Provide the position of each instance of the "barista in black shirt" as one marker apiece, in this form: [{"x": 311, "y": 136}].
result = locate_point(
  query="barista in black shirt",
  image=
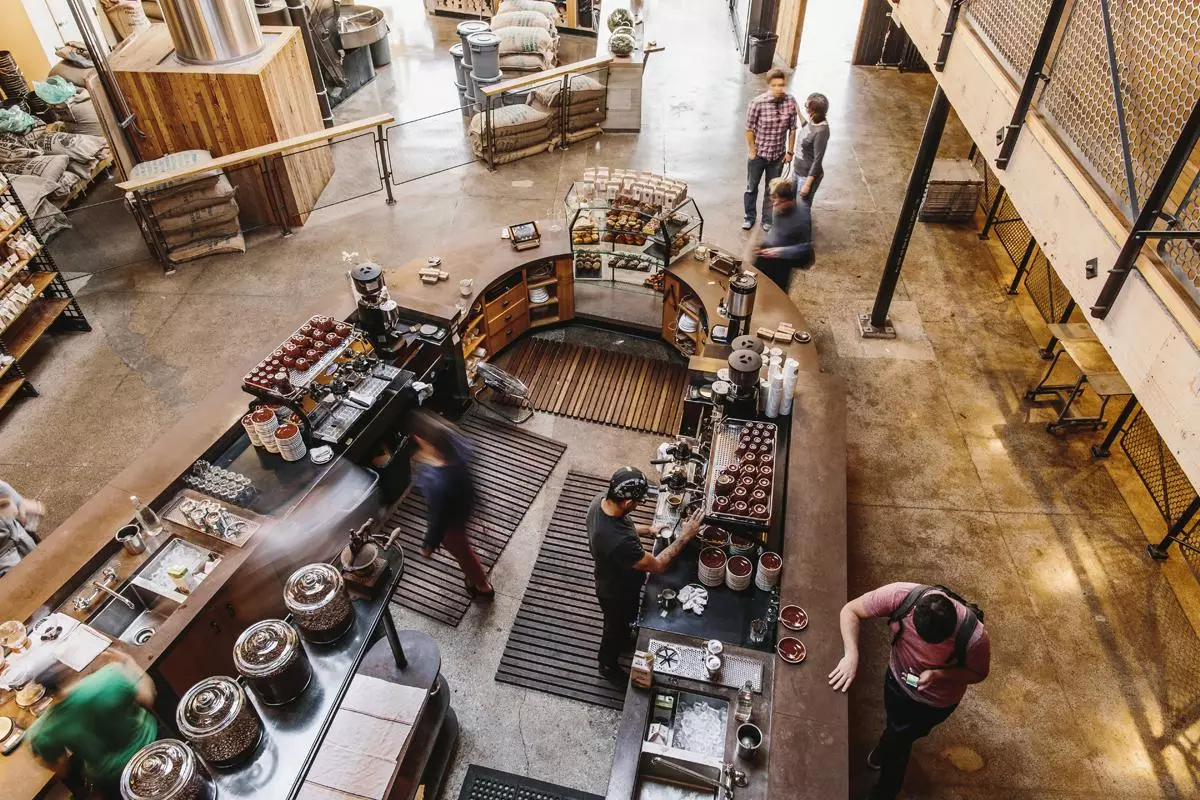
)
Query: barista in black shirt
[{"x": 622, "y": 563}]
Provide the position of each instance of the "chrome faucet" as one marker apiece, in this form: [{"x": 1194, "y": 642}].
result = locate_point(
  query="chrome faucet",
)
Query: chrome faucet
[{"x": 109, "y": 575}]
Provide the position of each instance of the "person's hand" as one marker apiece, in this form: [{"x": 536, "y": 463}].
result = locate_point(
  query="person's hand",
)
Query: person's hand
[
  {"x": 427, "y": 552},
  {"x": 35, "y": 507},
  {"x": 787, "y": 158},
  {"x": 926, "y": 679},
  {"x": 843, "y": 674},
  {"x": 750, "y": 154},
  {"x": 769, "y": 252},
  {"x": 691, "y": 525}
]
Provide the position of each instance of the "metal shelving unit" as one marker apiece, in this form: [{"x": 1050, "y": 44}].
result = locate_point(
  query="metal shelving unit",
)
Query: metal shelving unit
[{"x": 53, "y": 304}]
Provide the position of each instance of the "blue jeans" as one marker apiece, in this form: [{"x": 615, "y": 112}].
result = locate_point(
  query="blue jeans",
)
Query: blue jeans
[{"x": 756, "y": 170}]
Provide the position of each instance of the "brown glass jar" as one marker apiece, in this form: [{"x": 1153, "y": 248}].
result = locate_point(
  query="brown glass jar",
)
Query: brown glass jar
[{"x": 269, "y": 656}]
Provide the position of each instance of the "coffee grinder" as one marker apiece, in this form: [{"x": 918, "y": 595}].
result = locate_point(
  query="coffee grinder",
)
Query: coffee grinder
[
  {"x": 377, "y": 311},
  {"x": 744, "y": 366},
  {"x": 738, "y": 304}
]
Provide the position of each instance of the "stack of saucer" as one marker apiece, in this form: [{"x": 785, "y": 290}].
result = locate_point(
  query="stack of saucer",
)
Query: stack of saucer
[
  {"x": 712, "y": 566},
  {"x": 265, "y": 425},
  {"x": 738, "y": 573},
  {"x": 687, "y": 324},
  {"x": 769, "y": 567},
  {"x": 290, "y": 442},
  {"x": 539, "y": 295},
  {"x": 251, "y": 430}
]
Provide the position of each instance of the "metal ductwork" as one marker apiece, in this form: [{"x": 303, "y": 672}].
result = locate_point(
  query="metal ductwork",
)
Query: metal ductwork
[{"x": 212, "y": 31}]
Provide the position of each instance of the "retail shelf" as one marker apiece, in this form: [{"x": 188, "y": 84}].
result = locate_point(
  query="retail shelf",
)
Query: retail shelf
[
  {"x": 9, "y": 388},
  {"x": 39, "y": 281},
  {"x": 20, "y": 265},
  {"x": 11, "y": 228},
  {"x": 469, "y": 345},
  {"x": 33, "y": 322}
]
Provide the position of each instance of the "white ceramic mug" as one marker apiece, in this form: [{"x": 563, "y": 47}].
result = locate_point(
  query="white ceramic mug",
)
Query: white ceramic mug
[{"x": 464, "y": 286}]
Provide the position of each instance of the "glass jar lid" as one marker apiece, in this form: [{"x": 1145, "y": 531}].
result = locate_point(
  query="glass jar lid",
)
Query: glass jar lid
[
  {"x": 312, "y": 587},
  {"x": 209, "y": 707},
  {"x": 158, "y": 771},
  {"x": 264, "y": 647}
]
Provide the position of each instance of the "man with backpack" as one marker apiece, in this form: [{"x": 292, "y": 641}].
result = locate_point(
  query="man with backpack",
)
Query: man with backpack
[{"x": 939, "y": 647}]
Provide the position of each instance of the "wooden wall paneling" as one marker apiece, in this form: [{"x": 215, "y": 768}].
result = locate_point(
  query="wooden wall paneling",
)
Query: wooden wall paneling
[{"x": 789, "y": 26}]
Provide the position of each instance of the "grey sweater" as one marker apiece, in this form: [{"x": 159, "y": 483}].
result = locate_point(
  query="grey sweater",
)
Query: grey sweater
[{"x": 813, "y": 140}]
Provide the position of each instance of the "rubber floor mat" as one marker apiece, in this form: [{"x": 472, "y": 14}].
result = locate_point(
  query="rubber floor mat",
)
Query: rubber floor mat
[{"x": 482, "y": 783}]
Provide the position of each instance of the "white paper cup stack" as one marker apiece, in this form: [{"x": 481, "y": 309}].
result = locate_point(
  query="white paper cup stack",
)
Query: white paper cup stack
[
  {"x": 737, "y": 564},
  {"x": 290, "y": 442},
  {"x": 265, "y": 424},
  {"x": 714, "y": 575},
  {"x": 767, "y": 577},
  {"x": 251, "y": 431}
]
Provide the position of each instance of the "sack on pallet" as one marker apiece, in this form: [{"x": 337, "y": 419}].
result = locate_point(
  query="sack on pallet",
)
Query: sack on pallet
[
  {"x": 201, "y": 217},
  {"x": 171, "y": 162},
  {"x": 524, "y": 62},
  {"x": 209, "y": 192},
  {"x": 586, "y": 133},
  {"x": 532, "y": 150},
  {"x": 509, "y": 120},
  {"x": 49, "y": 167},
  {"x": 584, "y": 89},
  {"x": 546, "y": 9},
  {"x": 525, "y": 41},
  {"x": 207, "y": 247},
  {"x": 76, "y": 146},
  {"x": 219, "y": 230},
  {"x": 507, "y": 144},
  {"x": 522, "y": 19},
  {"x": 592, "y": 116}
]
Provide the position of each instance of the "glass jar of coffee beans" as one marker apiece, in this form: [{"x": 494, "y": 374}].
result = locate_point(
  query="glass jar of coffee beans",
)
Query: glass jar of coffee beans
[
  {"x": 166, "y": 770},
  {"x": 218, "y": 722},
  {"x": 317, "y": 598},
  {"x": 269, "y": 656}
]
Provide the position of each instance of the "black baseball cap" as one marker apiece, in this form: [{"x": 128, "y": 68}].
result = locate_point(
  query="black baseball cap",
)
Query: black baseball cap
[{"x": 628, "y": 483}]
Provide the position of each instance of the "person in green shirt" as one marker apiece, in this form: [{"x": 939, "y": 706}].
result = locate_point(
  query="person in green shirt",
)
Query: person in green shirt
[{"x": 103, "y": 720}]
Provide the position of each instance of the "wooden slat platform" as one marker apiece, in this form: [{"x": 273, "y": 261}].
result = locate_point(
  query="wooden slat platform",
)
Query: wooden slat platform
[
  {"x": 555, "y": 640},
  {"x": 511, "y": 466},
  {"x": 605, "y": 386}
]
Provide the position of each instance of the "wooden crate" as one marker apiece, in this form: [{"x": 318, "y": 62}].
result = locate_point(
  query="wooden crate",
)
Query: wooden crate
[{"x": 227, "y": 108}]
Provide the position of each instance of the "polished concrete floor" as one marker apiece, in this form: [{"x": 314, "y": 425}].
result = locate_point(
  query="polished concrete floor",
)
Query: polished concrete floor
[{"x": 1095, "y": 685}]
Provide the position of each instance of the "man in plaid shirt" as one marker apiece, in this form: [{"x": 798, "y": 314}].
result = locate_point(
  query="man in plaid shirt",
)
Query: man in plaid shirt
[{"x": 770, "y": 142}]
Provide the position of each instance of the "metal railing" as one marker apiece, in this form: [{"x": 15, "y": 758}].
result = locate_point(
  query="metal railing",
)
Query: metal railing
[
  {"x": 1117, "y": 82},
  {"x": 1167, "y": 484}
]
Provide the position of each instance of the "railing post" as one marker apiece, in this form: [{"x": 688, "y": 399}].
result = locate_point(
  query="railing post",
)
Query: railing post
[
  {"x": 948, "y": 35},
  {"x": 1159, "y": 551},
  {"x": 564, "y": 111},
  {"x": 1023, "y": 267},
  {"x": 1047, "y": 352},
  {"x": 1006, "y": 137},
  {"x": 991, "y": 215},
  {"x": 1102, "y": 450},
  {"x": 1149, "y": 213},
  {"x": 385, "y": 164}
]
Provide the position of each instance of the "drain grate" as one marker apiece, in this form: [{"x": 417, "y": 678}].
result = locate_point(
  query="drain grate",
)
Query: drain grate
[
  {"x": 482, "y": 783},
  {"x": 685, "y": 661}
]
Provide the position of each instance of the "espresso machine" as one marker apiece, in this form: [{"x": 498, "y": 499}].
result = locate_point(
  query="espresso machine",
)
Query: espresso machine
[{"x": 377, "y": 311}]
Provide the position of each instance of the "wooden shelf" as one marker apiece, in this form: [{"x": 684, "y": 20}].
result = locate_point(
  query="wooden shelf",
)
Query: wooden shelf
[
  {"x": 21, "y": 265},
  {"x": 39, "y": 281},
  {"x": 550, "y": 302},
  {"x": 9, "y": 230},
  {"x": 545, "y": 282},
  {"x": 33, "y": 322},
  {"x": 544, "y": 321},
  {"x": 470, "y": 345},
  {"x": 9, "y": 388}
]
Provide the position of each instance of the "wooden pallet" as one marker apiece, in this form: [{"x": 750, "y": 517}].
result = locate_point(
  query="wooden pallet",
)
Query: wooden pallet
[
  {"x": 511, "y": 466},
  {"x": 555, "y": 640},
  {"x": 605, "y": 386}
]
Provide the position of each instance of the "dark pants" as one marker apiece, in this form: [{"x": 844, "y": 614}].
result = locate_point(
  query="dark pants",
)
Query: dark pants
[
  {"x": 907, "y": 721},
  {"x": 779, "y": 270},
  {"x": 619, "y": 615},
  {"x": 756, "y": 170},
  {"x": 458, "y": 545}
]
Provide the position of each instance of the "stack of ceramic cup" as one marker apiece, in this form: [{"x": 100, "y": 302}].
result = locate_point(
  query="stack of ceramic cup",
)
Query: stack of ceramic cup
[
  {"x": 289, "y": 442},
  {"x": 769, "y": 567},
  {"x": 251, "y": 430},
  {"x": 712, "y": 574},
  {"x": 265, "y": 425},
  {"x": 738, "y": 573}
]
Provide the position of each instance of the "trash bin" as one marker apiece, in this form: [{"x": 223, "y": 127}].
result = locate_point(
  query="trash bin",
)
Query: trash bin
[
  {"x": 762, "y": 52},
  {"x": 381, "y": 52}
]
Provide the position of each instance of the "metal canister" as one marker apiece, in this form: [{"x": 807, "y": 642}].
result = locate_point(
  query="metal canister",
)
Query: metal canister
[
  {"x": 317, "y": 598},
  {"x": 269, "y": 656},
  {"x": 218, "y": 722},
  {"x": 212, "y": 31},
  {"x": 166, "y": 770},
  {"x": 739, "y": 299}
]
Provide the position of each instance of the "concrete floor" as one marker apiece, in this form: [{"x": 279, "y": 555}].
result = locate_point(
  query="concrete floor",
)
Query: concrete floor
[{"x": 1094, "y": 688}]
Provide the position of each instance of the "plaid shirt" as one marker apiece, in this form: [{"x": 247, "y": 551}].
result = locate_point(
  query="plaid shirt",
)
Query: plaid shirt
[{"x": 771, "y": 122}]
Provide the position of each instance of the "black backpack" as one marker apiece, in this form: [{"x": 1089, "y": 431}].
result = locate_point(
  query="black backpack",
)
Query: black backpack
[{"x": 962, "y": 637}]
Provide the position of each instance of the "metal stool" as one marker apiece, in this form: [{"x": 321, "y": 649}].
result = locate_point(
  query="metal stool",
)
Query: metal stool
[{"x": 1096, "y": 370}]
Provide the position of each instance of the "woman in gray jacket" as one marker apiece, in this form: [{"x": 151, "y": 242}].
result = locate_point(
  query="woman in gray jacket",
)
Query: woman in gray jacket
[{"x": 809, "y": 163}]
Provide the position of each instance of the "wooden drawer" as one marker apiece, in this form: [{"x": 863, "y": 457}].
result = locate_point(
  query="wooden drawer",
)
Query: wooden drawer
[
  {"x": 506, "y": 301},
  {"x": 503, "y": 337},
  {"x": 507, "y": 317}
]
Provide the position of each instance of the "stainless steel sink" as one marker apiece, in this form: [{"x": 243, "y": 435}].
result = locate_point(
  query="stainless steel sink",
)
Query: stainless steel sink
[{"x": 137, "y": 625}]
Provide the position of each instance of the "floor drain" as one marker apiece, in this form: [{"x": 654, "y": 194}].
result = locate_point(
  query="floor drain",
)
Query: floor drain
[{"x": 143, "y": 635}]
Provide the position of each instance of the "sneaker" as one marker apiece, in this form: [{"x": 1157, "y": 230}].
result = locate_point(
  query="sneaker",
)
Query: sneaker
[
  {"x": 873, "y": 761},
  {"x": 747, "y": 224},
  {"x": 766, "y": 227}
]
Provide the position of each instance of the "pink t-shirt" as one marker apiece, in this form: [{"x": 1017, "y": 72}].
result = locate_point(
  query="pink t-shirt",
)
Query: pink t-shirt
[{"x": 913, "y": 654}]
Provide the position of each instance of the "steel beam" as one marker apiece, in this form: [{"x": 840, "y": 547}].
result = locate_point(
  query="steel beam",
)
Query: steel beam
[
  {"x": 948, "y": 35},
  {"x": 1006, "y": 137}
]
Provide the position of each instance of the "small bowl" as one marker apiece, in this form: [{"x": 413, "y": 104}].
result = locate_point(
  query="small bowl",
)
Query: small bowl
[
  {"x": 794, "y": 618},
  {"x": 791, "y": 650}
]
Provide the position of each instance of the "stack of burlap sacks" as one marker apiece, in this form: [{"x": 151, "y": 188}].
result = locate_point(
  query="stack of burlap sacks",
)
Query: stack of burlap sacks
[
  {"x": 528, "y": 36},
  {"x": 197, "y": 216}
]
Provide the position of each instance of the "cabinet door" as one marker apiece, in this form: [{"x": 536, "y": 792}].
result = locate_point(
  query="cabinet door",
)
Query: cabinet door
[
  {"x": 670, "y": 317},
  {"x": 565, "y": 272}
]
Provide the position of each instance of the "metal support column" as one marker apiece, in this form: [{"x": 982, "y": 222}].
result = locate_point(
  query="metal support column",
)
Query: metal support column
[
  {"x": 948, "y": 35},
  {"x": 300, "y": 18},
  {"x": 385, "y": 166},
  {"x": 1006, "y": 137},
  {"x": 1047, "y": 352},
  {"x": 876, "y": 325},
  {"x": 1159, "y": 551},
  {"x": 393, "y": 637},
  {"x": 1023, "y": 267},
  {"x": 992, "y": 212},
  {"x": 1150, "y": 212},
  {"x": 1101, "y": 450}
]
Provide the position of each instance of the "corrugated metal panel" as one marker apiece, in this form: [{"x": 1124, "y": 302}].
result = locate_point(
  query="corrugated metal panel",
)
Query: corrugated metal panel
[{"x": 874, "y": 31}]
